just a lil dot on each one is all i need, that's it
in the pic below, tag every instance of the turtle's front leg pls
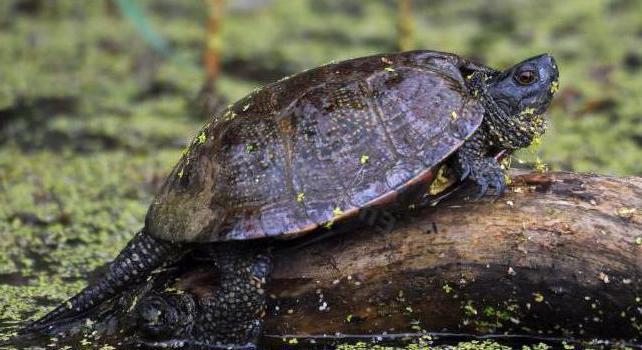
(474, 162)
(229, 316)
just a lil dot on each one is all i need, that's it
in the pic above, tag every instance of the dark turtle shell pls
(316, 147)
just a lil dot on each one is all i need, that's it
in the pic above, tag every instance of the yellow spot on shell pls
(335, 212)
(201, 138)
(364, 159)
(246, 107)
(181, 173)
(389, 69)
(454, 115)
(300, 197)
(555, 86)
(229, 115)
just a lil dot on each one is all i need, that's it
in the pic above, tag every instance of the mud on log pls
(559, 255)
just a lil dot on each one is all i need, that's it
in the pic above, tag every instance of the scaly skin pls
(499, 130)
(231, 318)
(135, 262)
(474, 162)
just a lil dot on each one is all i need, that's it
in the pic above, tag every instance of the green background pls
(93, 113)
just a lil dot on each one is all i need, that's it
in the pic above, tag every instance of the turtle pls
(308, 151)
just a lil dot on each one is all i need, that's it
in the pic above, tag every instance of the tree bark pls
(559, 255)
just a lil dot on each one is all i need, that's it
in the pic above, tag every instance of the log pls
(558, 256)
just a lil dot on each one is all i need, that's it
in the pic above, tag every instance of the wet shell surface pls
(315, 148)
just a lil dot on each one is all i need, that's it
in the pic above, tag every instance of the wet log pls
(560, 255)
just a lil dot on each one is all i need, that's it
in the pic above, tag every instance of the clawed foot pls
(495, 180)
(486, 173)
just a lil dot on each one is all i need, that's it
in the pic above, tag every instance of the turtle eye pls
(525, 77)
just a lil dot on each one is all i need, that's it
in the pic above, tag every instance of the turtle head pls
(527, 87)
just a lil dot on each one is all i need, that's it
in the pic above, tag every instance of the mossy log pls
(559, 255)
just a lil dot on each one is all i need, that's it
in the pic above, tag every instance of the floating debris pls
(604, 277)
(538, 297)
(625, 213)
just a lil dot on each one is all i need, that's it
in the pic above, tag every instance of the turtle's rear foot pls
(228, 316)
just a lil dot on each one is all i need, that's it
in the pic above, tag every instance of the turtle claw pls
(465, 172)
(491, 176)
(500, 188)
(483, 188)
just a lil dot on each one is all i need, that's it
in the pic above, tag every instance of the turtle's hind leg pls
(233, 316)
(229, 316)
(135, 262)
